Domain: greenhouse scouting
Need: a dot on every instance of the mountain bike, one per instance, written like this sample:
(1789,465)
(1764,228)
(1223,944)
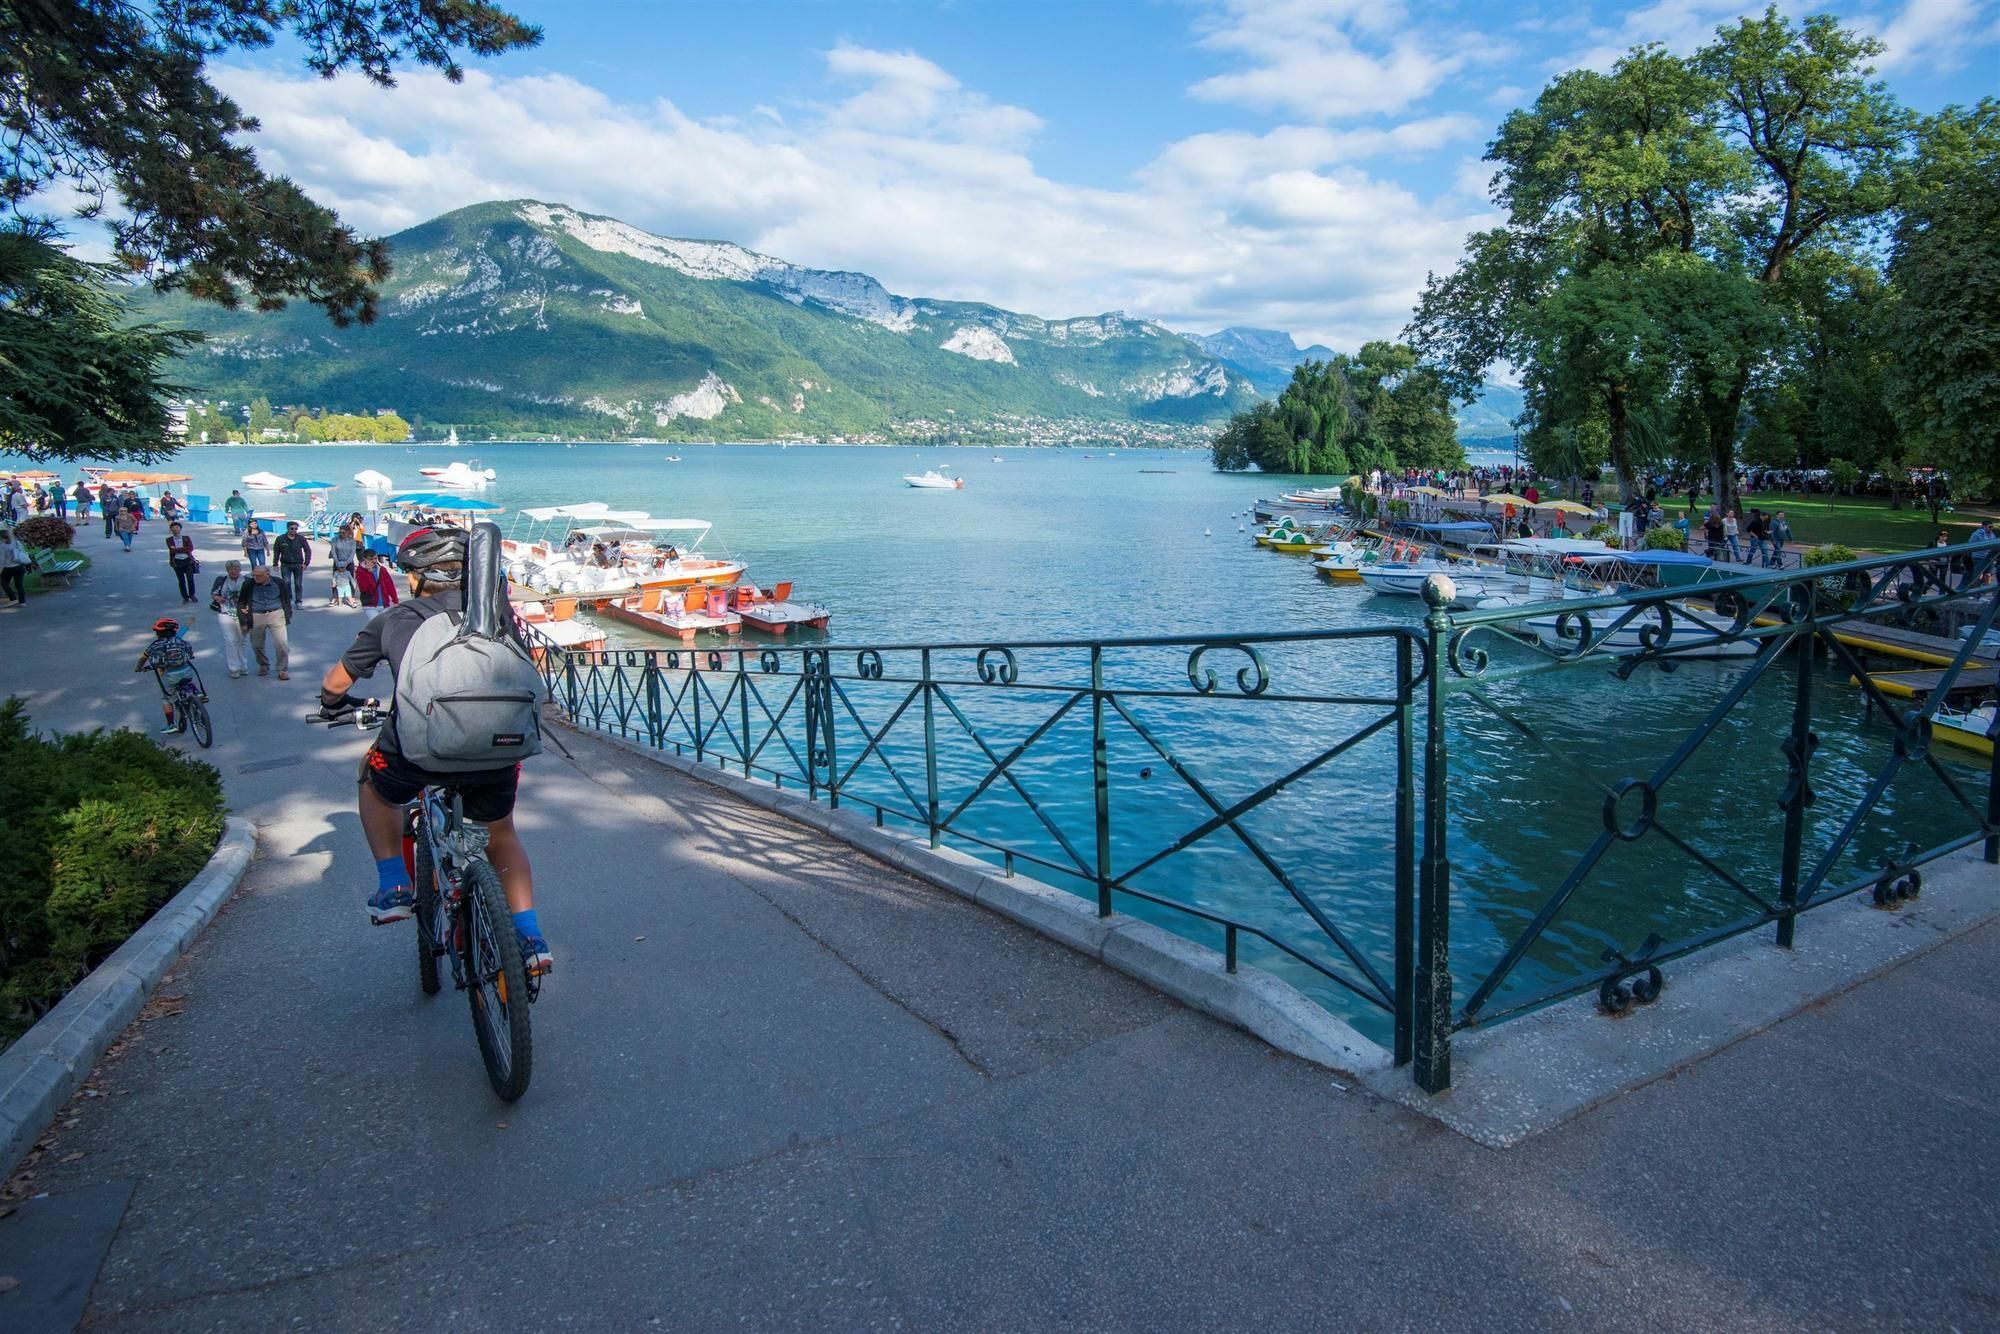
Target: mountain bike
(462,917)
(190,705)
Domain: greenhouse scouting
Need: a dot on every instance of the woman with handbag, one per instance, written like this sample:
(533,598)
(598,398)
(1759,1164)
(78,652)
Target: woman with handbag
(180,555)
(344,548)
(223,596)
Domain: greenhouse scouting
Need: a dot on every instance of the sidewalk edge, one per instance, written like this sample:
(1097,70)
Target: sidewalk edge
(40,1071)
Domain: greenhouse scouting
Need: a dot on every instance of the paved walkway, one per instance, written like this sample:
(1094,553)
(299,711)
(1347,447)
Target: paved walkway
(779,1086)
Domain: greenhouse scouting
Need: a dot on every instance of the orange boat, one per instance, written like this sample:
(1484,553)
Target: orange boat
(774,613)
(679,614)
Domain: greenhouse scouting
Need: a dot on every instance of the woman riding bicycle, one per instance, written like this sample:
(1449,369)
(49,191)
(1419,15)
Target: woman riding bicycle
(434,560)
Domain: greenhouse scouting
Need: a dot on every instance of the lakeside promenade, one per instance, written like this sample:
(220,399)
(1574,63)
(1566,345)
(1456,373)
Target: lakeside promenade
(779,1085)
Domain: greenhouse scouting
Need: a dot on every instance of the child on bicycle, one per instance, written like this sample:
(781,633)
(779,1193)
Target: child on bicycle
(171,658)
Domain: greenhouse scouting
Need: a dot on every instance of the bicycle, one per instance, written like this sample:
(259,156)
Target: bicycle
(190,705)
(462,916)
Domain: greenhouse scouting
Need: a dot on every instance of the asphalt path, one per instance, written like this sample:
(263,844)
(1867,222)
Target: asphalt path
(780,1086)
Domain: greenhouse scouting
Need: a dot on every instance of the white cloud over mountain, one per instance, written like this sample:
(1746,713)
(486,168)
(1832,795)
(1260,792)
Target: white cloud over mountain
(908,176)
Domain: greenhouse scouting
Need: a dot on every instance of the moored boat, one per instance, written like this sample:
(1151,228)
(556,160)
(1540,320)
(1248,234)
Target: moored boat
(1972,728)
(934,480)
(775,613)
(677,613)
(466,476)
(265,481)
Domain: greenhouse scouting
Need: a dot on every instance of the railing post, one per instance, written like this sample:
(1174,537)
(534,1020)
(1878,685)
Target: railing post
(656,727)
(1100,780)
(694,697)
(1432,1047)
(930,755)
(1993,807)
(743,711)
(827,730)
(1798,759)
(809,667)
(1406,852)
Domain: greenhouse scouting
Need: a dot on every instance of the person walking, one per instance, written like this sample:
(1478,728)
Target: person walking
(58,498)
(1758,530)
(170,508)
(127,525)
(256,546)
(1729,534)
(107,505)
(180,555)
(222,599)
(1712,532)
(264,608)
(293,553)
(1984,532)
(341,553)
(13,569)
(376,583)
(81,495)
(1781,535)
(237,510)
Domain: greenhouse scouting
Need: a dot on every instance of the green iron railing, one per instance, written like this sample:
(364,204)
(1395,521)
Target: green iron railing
(1007,750)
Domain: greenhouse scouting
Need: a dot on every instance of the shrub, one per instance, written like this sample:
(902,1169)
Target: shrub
(1831,554)
(1665,538)
(44,530)
(1600,532)
(102,828)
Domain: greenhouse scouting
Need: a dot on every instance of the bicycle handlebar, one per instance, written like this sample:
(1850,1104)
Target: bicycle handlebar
(361,712)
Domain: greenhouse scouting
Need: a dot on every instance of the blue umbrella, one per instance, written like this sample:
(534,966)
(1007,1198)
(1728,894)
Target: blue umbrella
(439,500)
(310,486)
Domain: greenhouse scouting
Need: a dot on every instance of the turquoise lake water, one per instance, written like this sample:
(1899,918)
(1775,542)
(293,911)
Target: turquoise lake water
(1052,544)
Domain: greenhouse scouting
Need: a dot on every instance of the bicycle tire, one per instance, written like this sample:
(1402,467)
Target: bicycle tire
(195,713)
(499,1010)
(424,875)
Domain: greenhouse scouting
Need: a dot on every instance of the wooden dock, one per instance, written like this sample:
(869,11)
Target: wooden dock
(1909,645)
(1919,684)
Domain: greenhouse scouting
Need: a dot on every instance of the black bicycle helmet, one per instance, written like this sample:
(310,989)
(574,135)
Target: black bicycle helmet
(425,549)
(165,626)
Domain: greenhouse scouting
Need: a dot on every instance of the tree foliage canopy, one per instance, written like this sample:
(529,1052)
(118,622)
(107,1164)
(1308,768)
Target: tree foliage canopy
(107,101)
(1378,409)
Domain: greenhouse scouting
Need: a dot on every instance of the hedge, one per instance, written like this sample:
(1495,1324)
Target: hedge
(101,829)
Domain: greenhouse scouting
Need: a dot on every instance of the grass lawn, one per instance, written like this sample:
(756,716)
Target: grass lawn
(1865,523)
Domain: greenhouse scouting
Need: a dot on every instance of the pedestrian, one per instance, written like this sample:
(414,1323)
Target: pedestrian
(170,508)
(180,555)
(60,498)
(1729,533)
(264,609)
(376,583)
(1758,529)
(81,495)
(127,525)
(341,556)
(107,505)
(1943,539)
(256,546)
(1712,531)
(237,510)
(222,599)
(1781,534)
(293,553)
(1984,532)
(13,569)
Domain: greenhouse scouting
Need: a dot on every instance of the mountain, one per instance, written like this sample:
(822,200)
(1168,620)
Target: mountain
(1492,415)
(1265,357)
(531,317)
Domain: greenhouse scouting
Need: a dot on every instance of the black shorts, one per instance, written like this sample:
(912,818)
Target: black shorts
(488,794)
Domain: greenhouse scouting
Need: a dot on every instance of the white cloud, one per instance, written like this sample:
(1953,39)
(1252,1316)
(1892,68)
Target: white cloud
(1327,59)
(1679,25)
(910,177)
(1935,34)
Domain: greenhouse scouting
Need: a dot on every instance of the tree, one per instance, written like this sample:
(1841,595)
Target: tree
(1944,381)
(108,99)
(1378,409)
(77,381)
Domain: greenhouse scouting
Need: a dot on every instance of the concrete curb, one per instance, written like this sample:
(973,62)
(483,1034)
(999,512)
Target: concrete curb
(1250,999)
(39,1072)
(1534,1072)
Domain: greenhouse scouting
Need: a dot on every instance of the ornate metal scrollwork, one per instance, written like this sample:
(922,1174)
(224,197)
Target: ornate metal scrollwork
(1573,628)
(1649,806)
(1798,788)
(769,661)
(674,661)
(1898,882)
(868,665)
(1463,653)
(1003,672)
(714,661)
(1653,635)
(1637,978)
(1252,680)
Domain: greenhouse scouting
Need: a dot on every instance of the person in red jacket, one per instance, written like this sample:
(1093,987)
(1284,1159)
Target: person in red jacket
(376,584)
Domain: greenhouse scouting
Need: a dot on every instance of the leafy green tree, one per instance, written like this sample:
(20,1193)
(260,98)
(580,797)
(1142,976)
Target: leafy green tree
(1944,380)
(1377,409)
(108,99)
(260,416)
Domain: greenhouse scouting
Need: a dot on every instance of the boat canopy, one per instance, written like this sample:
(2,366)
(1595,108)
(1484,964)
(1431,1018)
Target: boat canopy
(589,509)
(672,525)
(1558,546)
(1666,558)
(1453,526)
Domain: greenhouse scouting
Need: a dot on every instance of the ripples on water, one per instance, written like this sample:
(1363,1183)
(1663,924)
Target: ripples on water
(1048,544)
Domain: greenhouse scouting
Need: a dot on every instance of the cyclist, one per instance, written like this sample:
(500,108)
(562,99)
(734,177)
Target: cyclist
(173,659)
(434,561)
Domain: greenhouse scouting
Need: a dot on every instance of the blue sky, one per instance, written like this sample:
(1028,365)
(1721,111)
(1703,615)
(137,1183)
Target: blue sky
(1295,164)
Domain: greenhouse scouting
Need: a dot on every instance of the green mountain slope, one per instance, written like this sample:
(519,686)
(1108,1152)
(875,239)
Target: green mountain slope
(523,316)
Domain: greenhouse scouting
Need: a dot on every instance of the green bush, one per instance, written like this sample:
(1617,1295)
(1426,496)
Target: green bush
(1665,538)
(44,530)
(1831,554)
(101,829)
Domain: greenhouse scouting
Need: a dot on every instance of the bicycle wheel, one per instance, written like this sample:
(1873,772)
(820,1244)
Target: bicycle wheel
(425,878)
(195,714)
(498,984)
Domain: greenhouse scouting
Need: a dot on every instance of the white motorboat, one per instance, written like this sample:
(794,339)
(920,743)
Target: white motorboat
(775,612)
(265,481)
(1407,579)
(1972,728)
(934,481)
(370,480)
(468,476)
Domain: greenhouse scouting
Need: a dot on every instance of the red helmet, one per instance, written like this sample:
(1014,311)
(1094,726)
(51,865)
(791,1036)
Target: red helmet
(424,549)
(165,626)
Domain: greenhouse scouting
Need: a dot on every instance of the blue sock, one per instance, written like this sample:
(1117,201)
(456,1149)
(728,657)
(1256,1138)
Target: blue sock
(525,923)
(390,873)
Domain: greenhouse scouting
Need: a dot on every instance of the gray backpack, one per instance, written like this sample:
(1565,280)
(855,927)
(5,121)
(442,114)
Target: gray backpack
(468,696)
